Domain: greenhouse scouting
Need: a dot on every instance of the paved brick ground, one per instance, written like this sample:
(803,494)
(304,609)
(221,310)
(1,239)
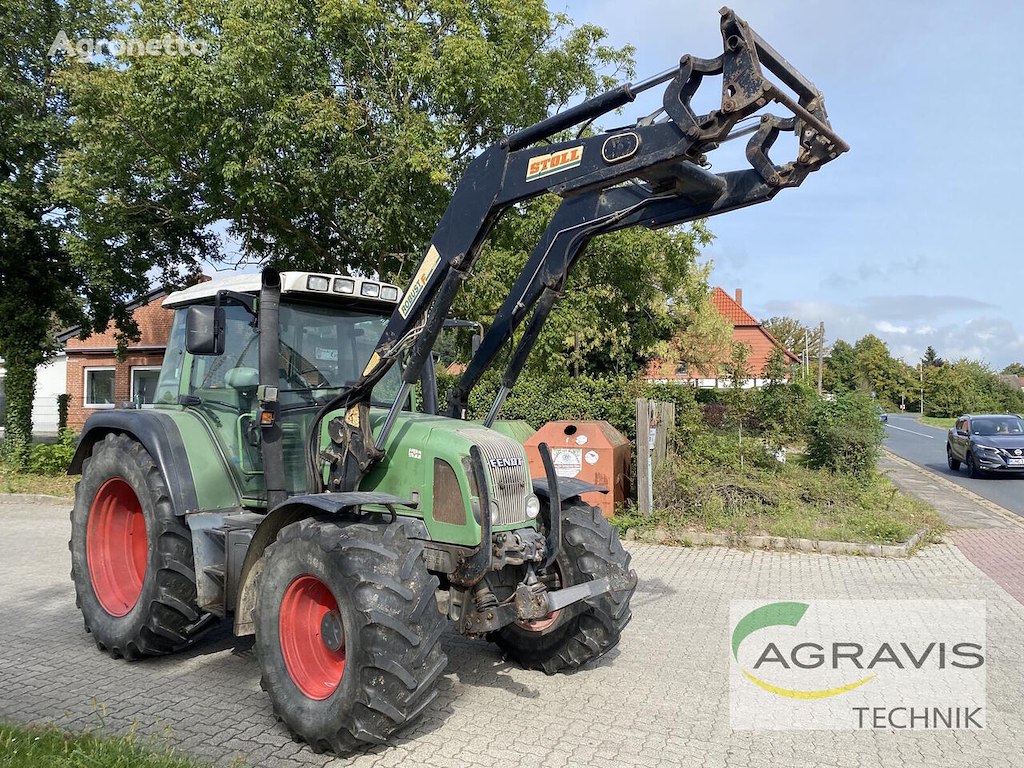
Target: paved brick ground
(999,553)
(660,699)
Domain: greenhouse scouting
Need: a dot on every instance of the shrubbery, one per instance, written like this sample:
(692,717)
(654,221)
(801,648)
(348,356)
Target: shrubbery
(53,458)
(845,435)
(538,399)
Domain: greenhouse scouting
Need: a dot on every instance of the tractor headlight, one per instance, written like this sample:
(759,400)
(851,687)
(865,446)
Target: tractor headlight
(317,283)
(494,513)
(532,506)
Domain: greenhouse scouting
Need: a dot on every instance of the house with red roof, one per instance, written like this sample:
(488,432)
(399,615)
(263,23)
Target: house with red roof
(746,329)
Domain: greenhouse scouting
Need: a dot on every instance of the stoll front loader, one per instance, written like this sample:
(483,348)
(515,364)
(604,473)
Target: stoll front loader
(286,478)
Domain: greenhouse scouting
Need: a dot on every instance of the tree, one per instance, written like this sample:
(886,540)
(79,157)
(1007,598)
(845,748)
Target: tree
(607,322)
(36,273)
(323,136)
(791,333)
(701,336)
(327,151)
(840,373)
(931,358)
(1014,369)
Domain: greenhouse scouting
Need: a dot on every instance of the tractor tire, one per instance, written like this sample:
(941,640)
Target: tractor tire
(347,632)
(587,630)
(131,555)
(954,464)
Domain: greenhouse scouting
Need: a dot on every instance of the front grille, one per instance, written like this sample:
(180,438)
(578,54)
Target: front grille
(508,485)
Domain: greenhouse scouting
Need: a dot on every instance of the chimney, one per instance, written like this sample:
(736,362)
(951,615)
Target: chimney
(739,296)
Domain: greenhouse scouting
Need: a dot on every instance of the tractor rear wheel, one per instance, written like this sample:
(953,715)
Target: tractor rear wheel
(587,630)
(131,555)
(347,632)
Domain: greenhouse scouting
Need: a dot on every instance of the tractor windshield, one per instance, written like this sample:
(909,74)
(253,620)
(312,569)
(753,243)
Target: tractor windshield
(323,349)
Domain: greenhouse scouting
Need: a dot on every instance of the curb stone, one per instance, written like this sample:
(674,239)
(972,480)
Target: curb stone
(34,498)
(778,543)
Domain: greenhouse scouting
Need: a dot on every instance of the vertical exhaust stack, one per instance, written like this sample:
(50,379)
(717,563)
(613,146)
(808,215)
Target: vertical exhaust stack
(270,352)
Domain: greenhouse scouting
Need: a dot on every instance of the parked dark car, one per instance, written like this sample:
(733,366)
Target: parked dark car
(989,442)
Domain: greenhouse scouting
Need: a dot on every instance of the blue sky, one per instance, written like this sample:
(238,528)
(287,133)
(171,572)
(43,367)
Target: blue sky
(912,235)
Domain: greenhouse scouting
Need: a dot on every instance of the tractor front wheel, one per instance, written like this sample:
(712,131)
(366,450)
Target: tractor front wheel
(587,630)
(347,632)
(131,555)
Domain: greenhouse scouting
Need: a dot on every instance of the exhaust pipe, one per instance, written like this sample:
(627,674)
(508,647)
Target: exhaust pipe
(270,352)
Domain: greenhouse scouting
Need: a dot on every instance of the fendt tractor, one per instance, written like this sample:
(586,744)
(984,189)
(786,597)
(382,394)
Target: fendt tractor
(292,477)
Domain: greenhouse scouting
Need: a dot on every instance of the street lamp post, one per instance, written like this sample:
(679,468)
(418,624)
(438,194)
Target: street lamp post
(921,366)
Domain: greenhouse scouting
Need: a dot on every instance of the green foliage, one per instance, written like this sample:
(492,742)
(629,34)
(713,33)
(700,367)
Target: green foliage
(53,458)
(1013,369)
(36,274)
(845,435)
(540,398)
(840,374)
(791,333)
(709,489)
(967,386)
(784,410)
(607,322)
(35,747)
(63,401)
(326,135)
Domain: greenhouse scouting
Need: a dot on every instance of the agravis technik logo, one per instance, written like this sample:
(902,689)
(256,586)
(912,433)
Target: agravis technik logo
(879,664)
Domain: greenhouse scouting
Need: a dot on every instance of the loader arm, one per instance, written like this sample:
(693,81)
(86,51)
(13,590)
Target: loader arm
(649,174)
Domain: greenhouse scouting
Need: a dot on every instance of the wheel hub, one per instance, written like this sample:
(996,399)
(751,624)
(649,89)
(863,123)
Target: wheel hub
(331,631)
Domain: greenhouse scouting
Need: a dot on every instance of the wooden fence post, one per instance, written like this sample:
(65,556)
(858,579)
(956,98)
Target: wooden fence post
(654,421)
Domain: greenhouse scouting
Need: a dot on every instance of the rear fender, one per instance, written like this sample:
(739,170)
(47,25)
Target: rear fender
(159,435)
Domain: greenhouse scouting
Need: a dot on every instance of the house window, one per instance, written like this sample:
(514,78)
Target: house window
(144,381)
(99,388)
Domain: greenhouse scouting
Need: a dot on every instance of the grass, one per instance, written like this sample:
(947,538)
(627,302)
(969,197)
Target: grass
(934,421)
(50,747)
(12,481)
(790,500)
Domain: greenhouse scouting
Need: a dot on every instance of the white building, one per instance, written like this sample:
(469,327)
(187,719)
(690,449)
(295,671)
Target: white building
(51,381)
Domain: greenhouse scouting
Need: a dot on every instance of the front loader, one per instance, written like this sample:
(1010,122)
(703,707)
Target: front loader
(290,479)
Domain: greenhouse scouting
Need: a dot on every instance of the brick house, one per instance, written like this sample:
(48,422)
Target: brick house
(746,329)
(97,379)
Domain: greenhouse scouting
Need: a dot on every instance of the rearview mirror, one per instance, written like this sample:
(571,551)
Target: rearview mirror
(204,330)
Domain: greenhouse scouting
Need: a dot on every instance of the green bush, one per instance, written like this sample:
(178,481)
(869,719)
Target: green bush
(784,410)
(53,458)
(845,435)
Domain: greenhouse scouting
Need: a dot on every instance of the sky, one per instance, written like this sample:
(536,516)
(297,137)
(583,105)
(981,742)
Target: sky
(912,235)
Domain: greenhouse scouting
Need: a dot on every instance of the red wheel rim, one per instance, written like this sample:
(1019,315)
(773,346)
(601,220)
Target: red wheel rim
(116,547)
(539,625)
(314,666)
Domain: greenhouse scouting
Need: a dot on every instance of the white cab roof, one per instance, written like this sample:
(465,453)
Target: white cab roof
(339,287)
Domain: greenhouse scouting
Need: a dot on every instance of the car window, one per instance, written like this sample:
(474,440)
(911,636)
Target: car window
(997,425)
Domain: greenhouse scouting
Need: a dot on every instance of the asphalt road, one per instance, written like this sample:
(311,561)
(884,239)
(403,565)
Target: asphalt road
(926,447)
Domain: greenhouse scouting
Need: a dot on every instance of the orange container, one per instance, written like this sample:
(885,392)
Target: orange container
(592,451)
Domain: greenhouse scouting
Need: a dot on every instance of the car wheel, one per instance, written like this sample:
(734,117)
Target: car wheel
(954,464)
(973,470)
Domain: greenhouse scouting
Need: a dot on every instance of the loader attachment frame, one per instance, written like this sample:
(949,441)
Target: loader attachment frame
(650,174)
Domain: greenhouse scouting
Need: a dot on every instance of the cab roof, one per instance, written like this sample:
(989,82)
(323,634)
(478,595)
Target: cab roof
(309,284)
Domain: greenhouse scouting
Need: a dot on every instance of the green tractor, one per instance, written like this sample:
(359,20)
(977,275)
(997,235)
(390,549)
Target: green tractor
(290,478)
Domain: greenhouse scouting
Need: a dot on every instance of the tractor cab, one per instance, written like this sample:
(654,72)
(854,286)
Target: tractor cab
(328,328)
